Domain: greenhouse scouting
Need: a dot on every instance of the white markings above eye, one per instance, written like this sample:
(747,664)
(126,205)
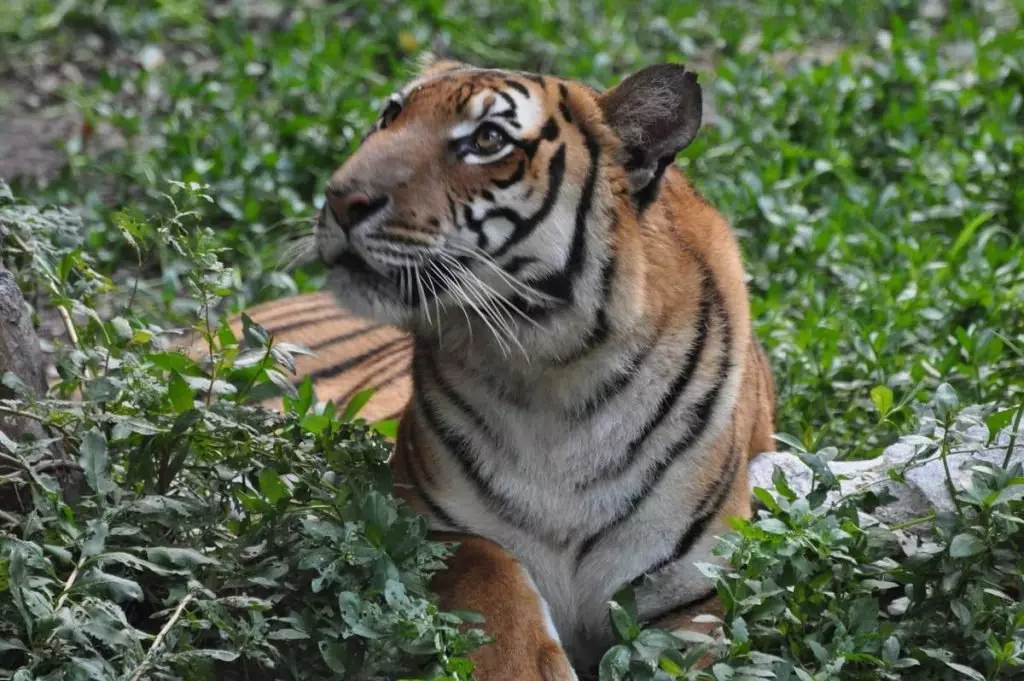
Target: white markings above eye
(527,113)
(463,129)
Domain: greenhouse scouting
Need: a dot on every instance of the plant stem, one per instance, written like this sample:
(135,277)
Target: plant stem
(159,640)
(1013,435)
(912,522)
(945,465)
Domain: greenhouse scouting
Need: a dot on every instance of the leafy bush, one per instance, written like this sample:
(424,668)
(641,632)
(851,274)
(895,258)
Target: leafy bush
(817,590)
(214,539)
(865,152)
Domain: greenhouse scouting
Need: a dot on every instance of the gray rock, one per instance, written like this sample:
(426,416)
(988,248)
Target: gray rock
(925,489)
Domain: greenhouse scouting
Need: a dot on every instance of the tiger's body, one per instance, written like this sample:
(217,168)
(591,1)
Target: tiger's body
(575,369)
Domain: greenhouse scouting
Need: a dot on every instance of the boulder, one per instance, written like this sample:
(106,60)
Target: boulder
(925,488)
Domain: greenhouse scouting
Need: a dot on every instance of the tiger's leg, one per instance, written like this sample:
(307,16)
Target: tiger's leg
(484,578)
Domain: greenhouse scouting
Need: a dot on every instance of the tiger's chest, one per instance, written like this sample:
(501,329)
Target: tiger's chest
(584,494)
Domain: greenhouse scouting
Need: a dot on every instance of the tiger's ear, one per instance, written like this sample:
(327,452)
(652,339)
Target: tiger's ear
(431,65)
(656,113)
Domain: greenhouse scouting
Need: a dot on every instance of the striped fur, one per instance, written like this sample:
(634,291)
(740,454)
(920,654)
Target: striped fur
(576,370)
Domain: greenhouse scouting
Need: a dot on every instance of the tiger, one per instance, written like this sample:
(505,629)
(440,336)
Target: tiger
(519,268)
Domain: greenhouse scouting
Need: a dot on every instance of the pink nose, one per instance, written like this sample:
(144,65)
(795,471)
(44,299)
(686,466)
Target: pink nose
(352,207)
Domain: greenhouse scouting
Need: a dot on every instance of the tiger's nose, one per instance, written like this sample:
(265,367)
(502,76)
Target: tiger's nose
(352,207)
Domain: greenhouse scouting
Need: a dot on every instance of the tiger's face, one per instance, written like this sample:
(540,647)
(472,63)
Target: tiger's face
(483,191)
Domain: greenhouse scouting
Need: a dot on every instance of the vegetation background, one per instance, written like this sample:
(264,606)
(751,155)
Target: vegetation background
(159,157)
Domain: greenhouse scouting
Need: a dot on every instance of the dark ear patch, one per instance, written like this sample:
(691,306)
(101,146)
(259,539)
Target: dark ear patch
(656,112)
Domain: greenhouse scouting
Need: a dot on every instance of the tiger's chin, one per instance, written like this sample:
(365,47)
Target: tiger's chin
(368,294)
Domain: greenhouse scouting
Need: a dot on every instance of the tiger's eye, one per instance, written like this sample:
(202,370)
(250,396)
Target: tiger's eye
(488,139)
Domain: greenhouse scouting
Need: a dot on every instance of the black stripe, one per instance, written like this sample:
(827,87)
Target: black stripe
(345,336)
(646,195)
(597,335)
(516,264)
(391,347)
(516,176)
(676,610)
(432,505)
(610,388)
(706,510)
(508,100)
(550,130)
(563,103)
(698,424)
(458,445)
(577,253)
(267,323)
(518,87)
(560,284)
(525,227)
(709,297)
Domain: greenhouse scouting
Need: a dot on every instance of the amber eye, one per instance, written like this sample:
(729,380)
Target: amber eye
(391,112)
(489,139)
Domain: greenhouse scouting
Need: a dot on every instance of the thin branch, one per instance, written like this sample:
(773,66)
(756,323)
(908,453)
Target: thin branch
(71,582)
(159,640)
(69,325)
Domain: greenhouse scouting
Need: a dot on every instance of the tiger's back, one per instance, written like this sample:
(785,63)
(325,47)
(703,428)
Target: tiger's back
(350,353)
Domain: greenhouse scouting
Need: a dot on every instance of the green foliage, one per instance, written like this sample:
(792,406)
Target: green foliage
(823,591)
(213,539)
(867,153)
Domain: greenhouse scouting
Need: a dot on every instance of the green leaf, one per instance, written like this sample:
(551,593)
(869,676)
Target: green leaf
(966,671)
(182,396)
(624,625)
(967,233)
(614,664)
(315,423)
(95,463)
(11,381)
(122,328)
(792,442)
(271,486)
(723,672)
(946,402)
(882,396)
(966,544)
(388,428)
(173,361)
(356,404)
(999,420)
(772,526)
(119,588)
(179,557)
(891,650)
(766,498)
(305,397)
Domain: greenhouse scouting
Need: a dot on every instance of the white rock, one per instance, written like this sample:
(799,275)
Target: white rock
(925,490)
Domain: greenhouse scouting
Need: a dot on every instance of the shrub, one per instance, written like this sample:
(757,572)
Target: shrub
(215,539)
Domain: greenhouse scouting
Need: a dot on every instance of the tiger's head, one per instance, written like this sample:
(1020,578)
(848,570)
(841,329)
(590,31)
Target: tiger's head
(497,194)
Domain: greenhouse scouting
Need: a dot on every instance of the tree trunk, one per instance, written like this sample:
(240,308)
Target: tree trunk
(20,355)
